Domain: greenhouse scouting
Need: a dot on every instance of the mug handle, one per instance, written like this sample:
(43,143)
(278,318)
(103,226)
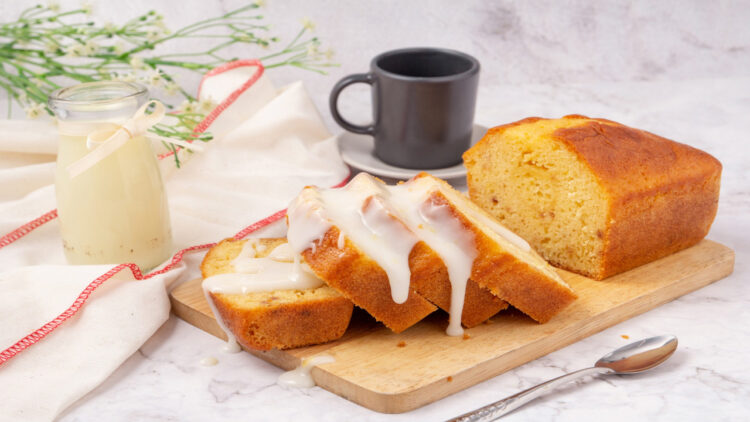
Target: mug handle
(334,100)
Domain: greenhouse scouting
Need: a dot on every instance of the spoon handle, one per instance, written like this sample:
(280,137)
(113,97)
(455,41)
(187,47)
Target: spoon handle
(511,403)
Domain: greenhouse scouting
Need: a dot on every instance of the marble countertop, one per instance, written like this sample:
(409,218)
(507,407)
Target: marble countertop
(679,71)
(708,378)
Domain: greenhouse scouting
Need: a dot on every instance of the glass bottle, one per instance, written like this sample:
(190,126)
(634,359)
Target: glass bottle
(115,211)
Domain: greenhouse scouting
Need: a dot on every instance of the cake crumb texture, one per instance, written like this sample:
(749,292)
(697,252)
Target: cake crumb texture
(591,195)
(279,319)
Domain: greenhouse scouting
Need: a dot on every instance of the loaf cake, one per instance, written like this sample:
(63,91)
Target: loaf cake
(594,196)
(240,280)
(393,250)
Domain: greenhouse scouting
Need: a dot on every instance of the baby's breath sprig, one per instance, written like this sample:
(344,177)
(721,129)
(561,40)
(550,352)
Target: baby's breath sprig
(46,48)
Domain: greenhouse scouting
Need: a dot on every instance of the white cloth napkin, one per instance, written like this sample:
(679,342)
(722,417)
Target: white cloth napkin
(268,145)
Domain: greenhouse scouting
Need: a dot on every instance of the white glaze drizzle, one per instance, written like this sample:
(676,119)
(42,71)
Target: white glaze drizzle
(281,253)
(364,211)
(386,229)
(231,346)
(245,261)
(280,270)
(307,209)
(377,234)
(301,377)
(341,241)
(436,226)
(209,361)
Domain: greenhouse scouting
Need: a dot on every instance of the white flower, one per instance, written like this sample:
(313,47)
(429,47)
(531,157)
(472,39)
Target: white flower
(74,50)
(53,5)
(153,34)
(34,110)
(260,3)
(243,36)
(128,77)
(109,27)
(163,26)
(171,88)
(312,51)
(119,47)
(308,24)
(50,47)
(87,7)
(154,78)
(137,63)
(188,106)
(90,48)
(329,53)
(206,105)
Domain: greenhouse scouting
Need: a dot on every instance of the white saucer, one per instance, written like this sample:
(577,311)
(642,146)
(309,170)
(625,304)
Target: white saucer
(357,151)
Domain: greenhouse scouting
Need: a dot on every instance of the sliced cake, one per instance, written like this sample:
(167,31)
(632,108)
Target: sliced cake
(264,297)
(415,240)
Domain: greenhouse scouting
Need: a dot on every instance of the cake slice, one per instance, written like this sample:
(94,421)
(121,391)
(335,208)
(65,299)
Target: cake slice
(420,237)
(591,195)
(434,285)
(504,263)
(344,258)
(261,316)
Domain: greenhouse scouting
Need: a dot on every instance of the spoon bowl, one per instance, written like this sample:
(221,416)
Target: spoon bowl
(632,358)
(640,355)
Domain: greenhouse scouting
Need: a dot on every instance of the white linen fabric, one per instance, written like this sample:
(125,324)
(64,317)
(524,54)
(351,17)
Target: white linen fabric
(268,145)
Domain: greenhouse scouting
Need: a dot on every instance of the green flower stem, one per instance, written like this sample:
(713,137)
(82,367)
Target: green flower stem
(43,49)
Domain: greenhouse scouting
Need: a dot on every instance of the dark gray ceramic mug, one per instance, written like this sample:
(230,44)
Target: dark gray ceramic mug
(423,106)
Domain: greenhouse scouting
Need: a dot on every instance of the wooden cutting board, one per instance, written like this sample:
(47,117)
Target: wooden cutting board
(373,371)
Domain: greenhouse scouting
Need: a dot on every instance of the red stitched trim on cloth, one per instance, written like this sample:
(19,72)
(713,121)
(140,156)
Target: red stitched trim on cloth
(26,228)
(47,328)
(205,123)
(83,297)
(202,126)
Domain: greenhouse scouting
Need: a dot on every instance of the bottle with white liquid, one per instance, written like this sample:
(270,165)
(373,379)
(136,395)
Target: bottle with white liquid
(116,210)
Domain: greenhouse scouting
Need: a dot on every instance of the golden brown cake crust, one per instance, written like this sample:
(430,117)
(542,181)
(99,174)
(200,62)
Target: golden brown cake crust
(497,276)
(434,284)
(272,319)
(663,195)
(511,279)
(362,281)
(286,325)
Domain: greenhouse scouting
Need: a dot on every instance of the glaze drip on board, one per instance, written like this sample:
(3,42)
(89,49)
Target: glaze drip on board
(301,376)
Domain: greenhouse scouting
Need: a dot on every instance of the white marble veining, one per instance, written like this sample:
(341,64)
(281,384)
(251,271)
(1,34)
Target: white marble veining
(679,69)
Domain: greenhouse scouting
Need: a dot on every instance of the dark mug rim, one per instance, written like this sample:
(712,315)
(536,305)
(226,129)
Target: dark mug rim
(472,70)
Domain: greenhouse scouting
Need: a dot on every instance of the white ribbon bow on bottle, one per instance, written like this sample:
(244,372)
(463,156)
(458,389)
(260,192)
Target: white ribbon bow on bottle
(104,142)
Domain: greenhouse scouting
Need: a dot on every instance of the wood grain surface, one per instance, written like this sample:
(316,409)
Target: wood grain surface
(373,371)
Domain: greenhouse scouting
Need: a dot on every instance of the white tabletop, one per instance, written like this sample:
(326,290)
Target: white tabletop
(678,70)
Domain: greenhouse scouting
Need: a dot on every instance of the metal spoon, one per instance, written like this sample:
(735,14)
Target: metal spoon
(629,359)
